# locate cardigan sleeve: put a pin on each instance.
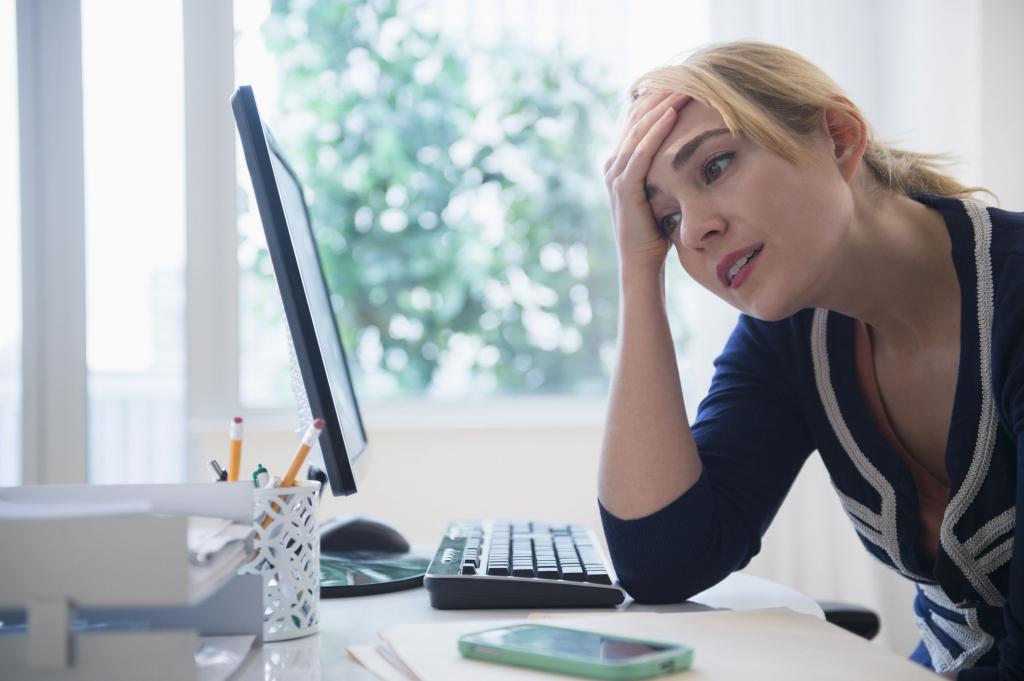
(753, 440)
(1008, 391)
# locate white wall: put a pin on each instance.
(419, 478)
(1002, 136)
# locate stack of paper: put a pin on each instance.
(217, 548)
(765, 645)
(102, 581)
(210, 538)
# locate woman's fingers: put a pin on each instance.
(640, 108)
(636, 233)
(638, 131)
(639, 163)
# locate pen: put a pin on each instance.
(219, 474)
(235, 462)
(260, 478)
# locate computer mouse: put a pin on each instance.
(360, 533)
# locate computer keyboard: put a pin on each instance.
(508, 564)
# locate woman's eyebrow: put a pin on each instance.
(684, 154)
(690, 148)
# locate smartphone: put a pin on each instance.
(579, 653)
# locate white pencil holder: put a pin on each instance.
(288, 557)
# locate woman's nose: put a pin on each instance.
(698, 233)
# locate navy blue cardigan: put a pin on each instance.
(782, 390)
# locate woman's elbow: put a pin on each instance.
(661, 579)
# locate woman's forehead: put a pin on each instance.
(693, 118)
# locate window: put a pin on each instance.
(452, 155)
(10, 253)
(135, 239)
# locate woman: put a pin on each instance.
(882, 325)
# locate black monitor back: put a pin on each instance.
(304, 293)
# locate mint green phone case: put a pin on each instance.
(483, 646)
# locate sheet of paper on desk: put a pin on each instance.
(767, 645)
(373, 659)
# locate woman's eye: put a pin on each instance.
(669, 223)
(715, 166)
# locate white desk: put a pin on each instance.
(348, 621)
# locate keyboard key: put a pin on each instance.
(598, 577)
(547, 572)
(522, 571)
(468, 569)
(498, 570)
(573, 573)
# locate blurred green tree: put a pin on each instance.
(456, 197)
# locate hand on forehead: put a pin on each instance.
(646, 99)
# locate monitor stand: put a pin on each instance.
(360, 556)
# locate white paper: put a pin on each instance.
(209, 538)
(373, 660)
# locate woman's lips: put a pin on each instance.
(726, 263)
(745, 271)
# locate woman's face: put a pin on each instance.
(727, 197)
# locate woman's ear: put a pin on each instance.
(849, 138)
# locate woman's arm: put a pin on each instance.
(753, 440)
(648, 457)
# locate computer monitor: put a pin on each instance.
(347, 547)
(307, 302)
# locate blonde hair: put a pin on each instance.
(775, 97)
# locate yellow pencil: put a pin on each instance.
(308, 440)
(235, 459)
